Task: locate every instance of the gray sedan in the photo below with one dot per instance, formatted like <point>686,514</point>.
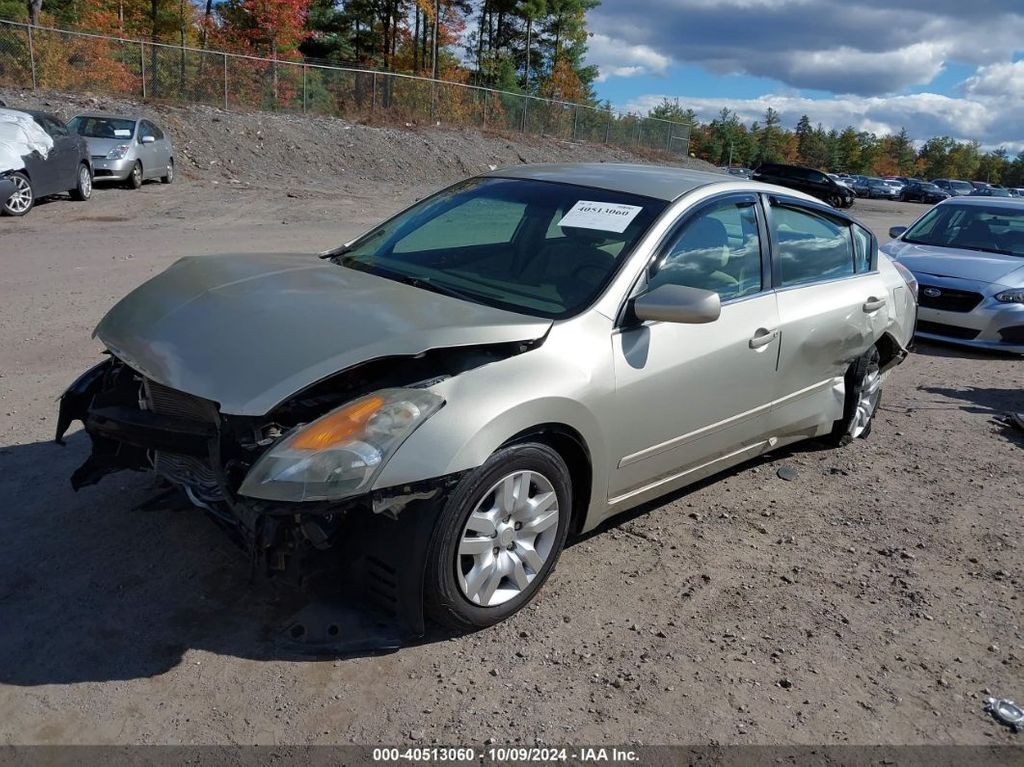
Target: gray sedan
<point>968,256</point>
<point>443,400</point>
<point>126,149</point>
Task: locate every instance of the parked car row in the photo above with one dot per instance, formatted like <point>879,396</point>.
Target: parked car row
<point>806,180</point>
<point>46,157</point>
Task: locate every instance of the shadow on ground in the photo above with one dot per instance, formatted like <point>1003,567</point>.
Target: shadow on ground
<point>106,585</point>
<point>97,589</point>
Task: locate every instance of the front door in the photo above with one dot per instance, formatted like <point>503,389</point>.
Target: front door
<point>687,395</point>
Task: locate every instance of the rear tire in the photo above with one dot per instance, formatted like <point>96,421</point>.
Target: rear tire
<point>21,202</point>
<point>134,180</point>
<point>168,178</point>
<point>468,586</point>
<point>863,395</point>
<point>83,189</point>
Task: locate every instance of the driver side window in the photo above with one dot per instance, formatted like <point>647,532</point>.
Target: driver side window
<point>718,250</point>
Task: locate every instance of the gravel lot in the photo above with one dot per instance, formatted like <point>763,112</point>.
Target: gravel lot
<point>873,599</point>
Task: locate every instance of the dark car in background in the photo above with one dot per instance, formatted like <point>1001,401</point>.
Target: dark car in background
<point>806,180</point>
<point>955,187</point>
<point>880,189</point>
<point>990,191</point>
<point>859,185</point>
<point>65,169</point>
<point>923,191</point>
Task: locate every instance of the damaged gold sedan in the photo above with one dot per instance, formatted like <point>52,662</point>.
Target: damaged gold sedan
<point>442,401</point>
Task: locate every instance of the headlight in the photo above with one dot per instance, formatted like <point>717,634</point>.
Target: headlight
<point>1015,296</point>
<point>340,454</point>
<point>118,152</point>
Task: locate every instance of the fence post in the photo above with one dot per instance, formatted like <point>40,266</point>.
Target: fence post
<point>303,89</point>
<point>433,101</point>
<point>575,118</point>
<point>526,107</point>
<point>224,56</point>
<point>608,126</point>
<point>142,66</point>
<point>668,145</point>
<point>32,56</point>
<point>373,95</point>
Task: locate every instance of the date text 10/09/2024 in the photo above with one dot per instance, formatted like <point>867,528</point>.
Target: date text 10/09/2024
<point>504,754</point>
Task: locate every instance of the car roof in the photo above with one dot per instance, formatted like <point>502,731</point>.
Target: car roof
<point>661,182</point>
<point>38,113</point>
<point>110,116</point>
<point>985,201</point>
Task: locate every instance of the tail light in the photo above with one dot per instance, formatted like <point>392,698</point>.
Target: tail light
<point>908,277</point>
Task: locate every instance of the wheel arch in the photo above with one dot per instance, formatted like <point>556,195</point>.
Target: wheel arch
<point>572,448</point>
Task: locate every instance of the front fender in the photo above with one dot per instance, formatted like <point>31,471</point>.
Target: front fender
<point>568,381</point>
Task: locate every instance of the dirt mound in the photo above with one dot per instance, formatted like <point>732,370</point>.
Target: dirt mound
<point>262,148</point>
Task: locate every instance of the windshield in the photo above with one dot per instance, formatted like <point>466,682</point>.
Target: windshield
<point>536,247</point>
<point>991,229</point>
<point>962,186</point>
<point>929,187</point>
<point>102,127</point>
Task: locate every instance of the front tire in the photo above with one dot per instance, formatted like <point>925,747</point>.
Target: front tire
<point>83,189</point>
<point>21,202</point>
<point>863,395</point>
<point>134,180</point>
<point>835,201</point>
<point>498,538</point>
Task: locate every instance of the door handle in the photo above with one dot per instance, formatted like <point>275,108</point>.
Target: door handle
<point>763,337</point>
<point>873,304</point>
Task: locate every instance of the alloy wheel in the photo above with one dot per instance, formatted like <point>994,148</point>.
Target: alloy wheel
<point>84,182</point>
<point>21,200</point>
<point>507,539</point>
<point>867,402</point>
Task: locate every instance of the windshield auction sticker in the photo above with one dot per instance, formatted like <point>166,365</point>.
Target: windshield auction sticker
<point>606,216</point>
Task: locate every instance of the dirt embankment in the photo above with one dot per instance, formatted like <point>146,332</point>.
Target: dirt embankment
<point>262,148</point>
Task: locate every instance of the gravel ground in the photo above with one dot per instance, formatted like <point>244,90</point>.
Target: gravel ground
<point>872,599</point>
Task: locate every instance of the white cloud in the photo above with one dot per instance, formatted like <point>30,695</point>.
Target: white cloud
<point>616,58</point>
<point>992,121</point>
<point>1004,80</point>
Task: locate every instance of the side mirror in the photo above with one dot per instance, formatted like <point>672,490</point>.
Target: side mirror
<point>896,231</point>
<point>676,303</point>
<point>148,139</point>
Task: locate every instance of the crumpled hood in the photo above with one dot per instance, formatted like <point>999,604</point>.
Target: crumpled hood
<point>101,147</point>
<point>952,262</point>
<point>249,331</point>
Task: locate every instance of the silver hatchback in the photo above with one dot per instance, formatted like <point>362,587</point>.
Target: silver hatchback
<point>442,400</point>
<point>128,149</point>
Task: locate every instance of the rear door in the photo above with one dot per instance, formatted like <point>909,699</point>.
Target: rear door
<point>833,305</point>
<point>148,152</point>
<point>65,156</point>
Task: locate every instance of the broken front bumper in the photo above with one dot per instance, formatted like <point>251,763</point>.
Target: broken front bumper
<point>373,545</point>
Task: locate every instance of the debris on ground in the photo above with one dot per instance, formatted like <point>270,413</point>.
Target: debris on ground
<point>787,473</point>
<point>1007,712</point>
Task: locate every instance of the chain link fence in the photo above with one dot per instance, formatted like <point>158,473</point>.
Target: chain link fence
<point>42,57</point>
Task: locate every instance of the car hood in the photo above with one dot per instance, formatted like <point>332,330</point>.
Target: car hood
<point>102,146</point>
<point>250,331</point>
<point>954,262</point>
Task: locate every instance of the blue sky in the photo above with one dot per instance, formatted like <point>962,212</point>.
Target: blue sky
<point>936,67</point>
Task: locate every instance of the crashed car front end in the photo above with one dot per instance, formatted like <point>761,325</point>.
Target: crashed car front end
<point>293,488</point>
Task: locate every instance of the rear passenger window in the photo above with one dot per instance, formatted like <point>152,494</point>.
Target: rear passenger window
<point>718,250</point>
<point>861,249</point>
<point>811,248</point>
